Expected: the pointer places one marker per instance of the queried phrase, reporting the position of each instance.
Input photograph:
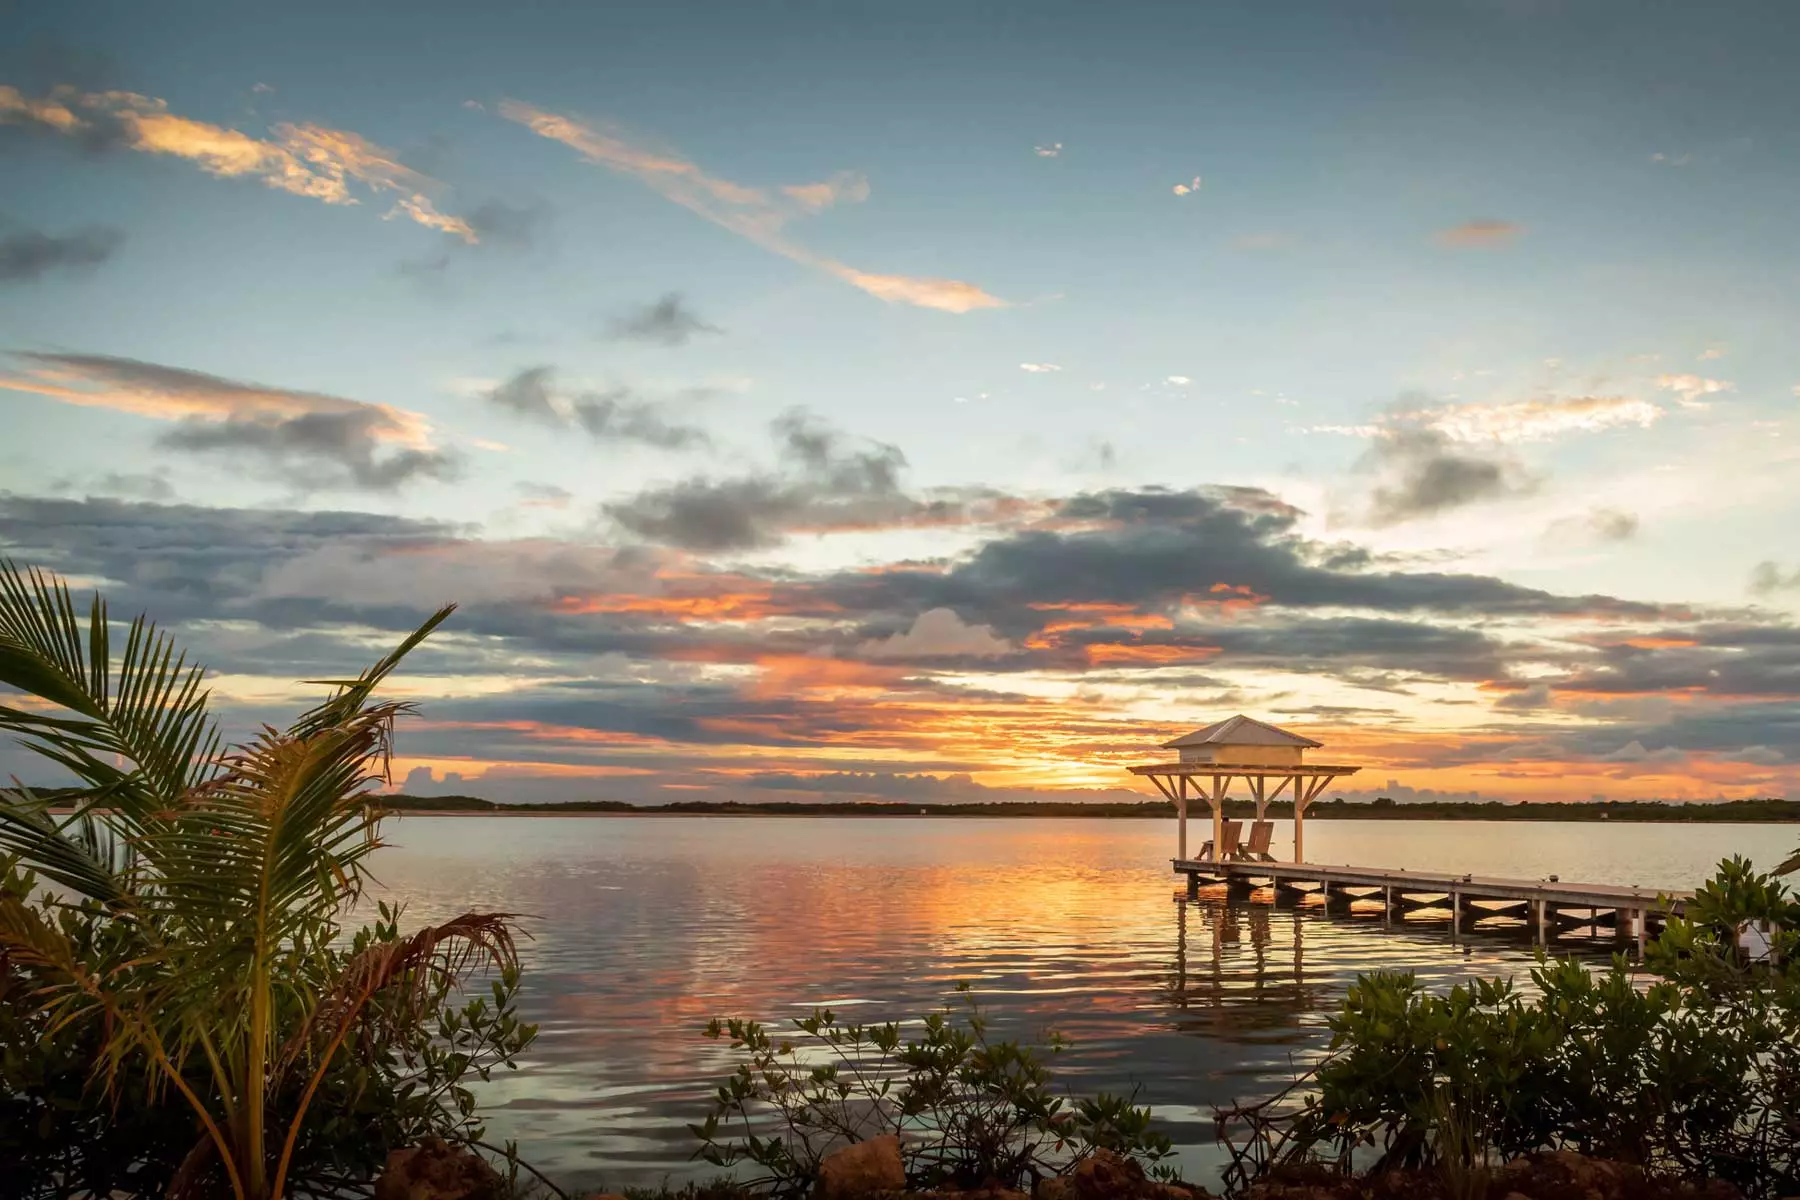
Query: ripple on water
(644, 928)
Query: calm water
(646, 927)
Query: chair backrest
(1233, 831)
(1261, 834)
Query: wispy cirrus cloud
(757, 214)
(301, 159)
(1689, 389)
(319, 438)
(1535, 420)
(1479, 233)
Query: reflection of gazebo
(1240, 748)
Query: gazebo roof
(1239, 731)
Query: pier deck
(1543, 903)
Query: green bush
(1695, 1073)
(971, 1110)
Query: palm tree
(217, 874)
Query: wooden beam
(1220, 782)
(1180, 799)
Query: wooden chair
(1261, 834)
(1233, 830)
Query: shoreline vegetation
(1742, 812)
(184, 1013)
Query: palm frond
(1789, 865)
(353, 694)
(140, 737)
(79, 854)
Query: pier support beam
(1193, 886)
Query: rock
(435, 1170)
(1566, 1175)
(1104, 1175)
(862, 1168)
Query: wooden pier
(1546, 906)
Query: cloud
(128, 484)
(940, 633)
(1533, 420)
(1188, 188)
(1178, 380)
(846, 187)
(667, 322)
(1047, 149)
(1634, 752)
(1711, 352)
(301, 159)
(757, 214)
(299, 431)
(1600, 525)
(1482, 232)
(1767, 578)
(343, 442)
(1762, 756)
(30, 255)
(1424, 475)
(575, 655)
(1689, 389)
(613, 415)
(825, 483)
(543, 495)
(499, 223)
(1039, 368)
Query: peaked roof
(1239, 731)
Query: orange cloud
(1154, 654)
(304, 160)
(173, 394)
(1482, 232)
(756, 214)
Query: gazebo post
(1218, 813)
(1299, 830)
(1181, 818)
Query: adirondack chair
(1233, 830)
(1257, 850)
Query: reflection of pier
(1260, 997)
(1547, 908)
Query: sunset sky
(934, 401)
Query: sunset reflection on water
(643, 929)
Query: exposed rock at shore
(862, 1169)
(873, 1170)
(1104, 1175)
(434, 1170)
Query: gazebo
(1244, 748)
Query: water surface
(644, 928)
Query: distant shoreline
(1731, 812)
(1735, 812)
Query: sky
(938, 401)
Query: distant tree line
(1380, 809)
